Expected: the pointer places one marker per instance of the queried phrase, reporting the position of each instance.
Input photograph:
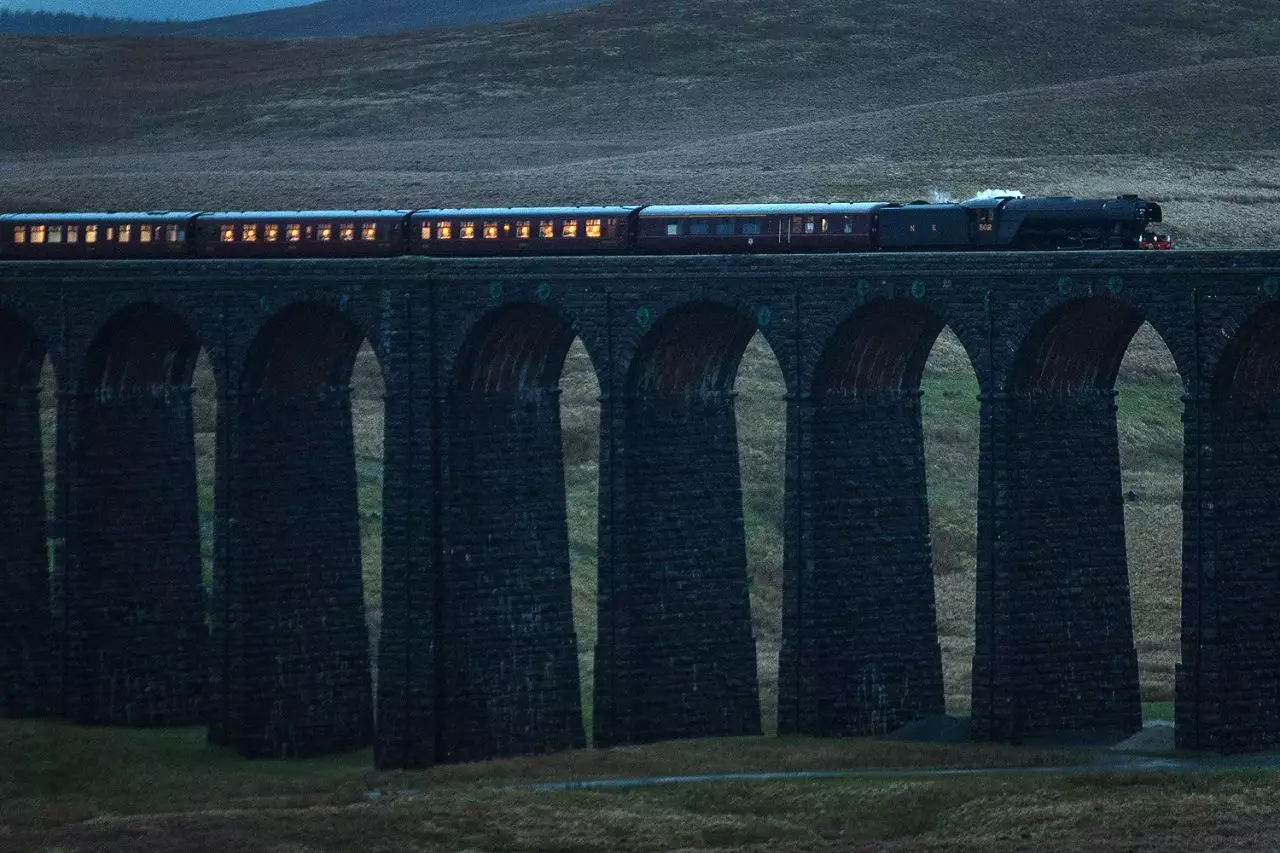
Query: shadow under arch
(1229, 681)
(860, 647)
(1250, 366)
(694, 349)
(675, 656)
(306, 348)
(506, 609)
(289, 619)
(134, 595)
(26, 657)
(1075, 348)
(1054, 648)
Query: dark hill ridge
(616, 74)
(328, 18)
(372, 17)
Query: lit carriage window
(848, 225)
(37, 233)
(295, 233)
(444, 230)
(125, 234)
(673, 229)
(324, 231)
(546, 228)
(426, 231)
(809, 225)
(369, 231)
(752, 226)
(724, 226)
(468, 231)
(491, 230)
(523, 229)
(91, 233)
(570, 228)
(506, 229)
(271, 232)
(228, 233)
(249, 233)
(700, 228)
(55, 234)
(171, 233)
(824, 225)
(347, 231)
(144, 233)
(593, 228)
(19, 233)
(73, 233)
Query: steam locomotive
(997, 223)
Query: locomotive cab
(985, 224)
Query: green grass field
(669, 101)
(70, 788)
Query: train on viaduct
(477, 654)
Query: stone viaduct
(477, 653)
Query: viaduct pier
(477, 655)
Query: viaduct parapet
(103, 611)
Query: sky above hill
(147, 10)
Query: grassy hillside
(79, 789)
(720, 100)
(617, 70)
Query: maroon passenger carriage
(521, 230)
(758, 227)
(51, 236)
(304, 233)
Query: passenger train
(1000, 223)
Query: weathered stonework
(680, 643)
(508, 664)
(25, 617)
(868, 656)
(477, 653)
(1063, 657)
(135, 601)
(297, 670)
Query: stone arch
(135, 595)
(694, 349)
(21, 352)
(861, 654)
(879, 349)
(305, 348)
(1150, 431)
(1231, 685)
(296, 654)
(676, 655)
(1078, 346)
(1250, 365)
(144, 350)
(517, 349)
(25, 618)
(506, 606)
(1059, 550)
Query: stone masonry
(103, 615)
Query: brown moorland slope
(721, 100)
(617, 70)
(673, 99)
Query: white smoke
(995, 193)
(937, 195)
